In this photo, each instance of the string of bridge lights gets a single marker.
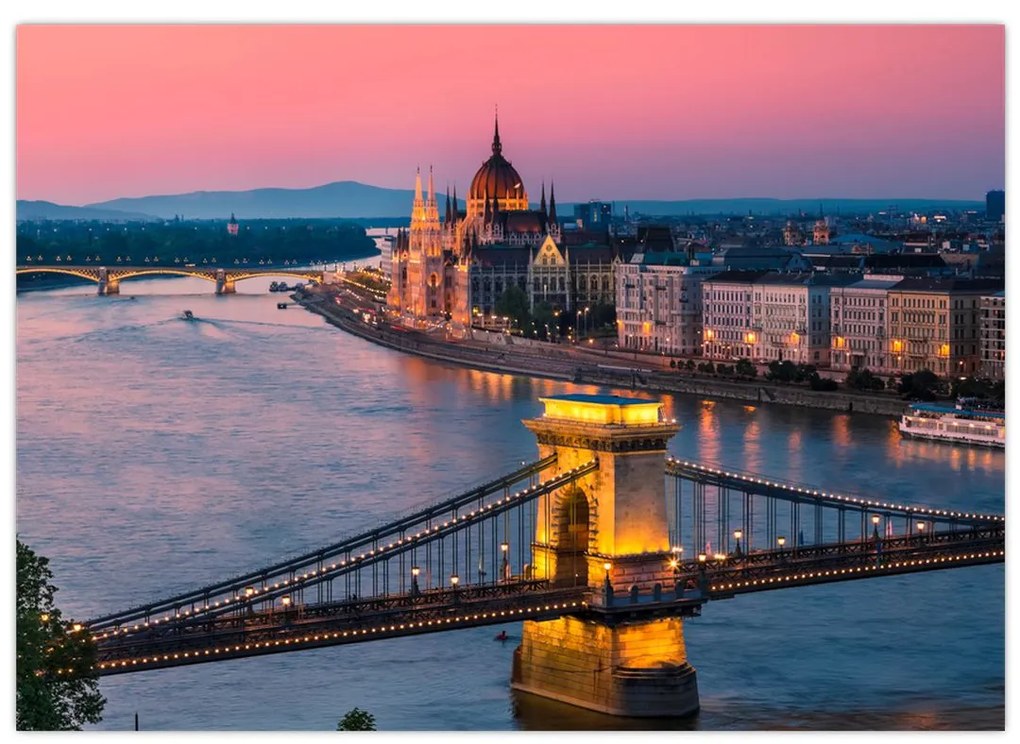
(858, 569)
(251, 592)
(336, 635)
(846, 499)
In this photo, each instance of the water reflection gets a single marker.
(202, 450)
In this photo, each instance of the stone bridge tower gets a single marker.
(607, 531)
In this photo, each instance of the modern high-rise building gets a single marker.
(995, 205)
(593, 216)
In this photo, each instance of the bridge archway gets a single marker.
(571, 536)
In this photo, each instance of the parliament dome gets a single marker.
(497, 178)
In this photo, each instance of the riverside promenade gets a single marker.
(583, 365)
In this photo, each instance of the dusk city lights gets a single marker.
(510, 377)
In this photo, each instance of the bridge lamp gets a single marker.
(782, 541)
(415, 571)
(285, 600)
(454, 580)
(249, 591)
(702, 558)
(875, 519)
(504, 546)
(737, 534)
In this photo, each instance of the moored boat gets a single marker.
(958, 424)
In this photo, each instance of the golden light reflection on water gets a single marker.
(709, 448)
(841, 430)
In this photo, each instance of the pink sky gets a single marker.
(612, 112)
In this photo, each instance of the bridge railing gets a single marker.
(440, 553)
(315, 559)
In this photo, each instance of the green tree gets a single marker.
(922, 385)
(514, 304)
(356, 720)
(57, 683)
(863, 379)
(745, 368)
(544, 316)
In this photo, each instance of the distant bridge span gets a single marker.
(109, 279)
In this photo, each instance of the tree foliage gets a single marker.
(57, 683)
(863, 379)
(514, 304)
(356, 720)
(745, 368)
(921, 385)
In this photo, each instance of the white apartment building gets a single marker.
(658, 303)
(993, 336)
(790, 318)
(727, 315)
(859, 317)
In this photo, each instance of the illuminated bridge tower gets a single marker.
(609, 532)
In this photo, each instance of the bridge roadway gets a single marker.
(200, 639)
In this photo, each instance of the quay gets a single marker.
(573, 364)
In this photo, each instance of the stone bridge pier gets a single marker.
(224, 285)
(608, 531)
(108, 285)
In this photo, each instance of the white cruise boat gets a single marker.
(957, 424)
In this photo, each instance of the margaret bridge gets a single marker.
(109, 278)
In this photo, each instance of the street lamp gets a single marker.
(505, 565)
(414, 579)
(782, 541)
(737, 534)
(920, 531)
(875, 519)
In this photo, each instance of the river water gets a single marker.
(156, 455)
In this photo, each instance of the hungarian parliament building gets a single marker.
(456, 268)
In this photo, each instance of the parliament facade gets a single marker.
(456, 268)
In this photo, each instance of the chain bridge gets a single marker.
(109, 278)
(603, 546)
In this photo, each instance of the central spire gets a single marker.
(497, 146)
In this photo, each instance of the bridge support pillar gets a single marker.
(607, 530)
(636, 669)
(225, 286)
(109, 287)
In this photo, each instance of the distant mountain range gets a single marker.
(44, 210)
(351, 199)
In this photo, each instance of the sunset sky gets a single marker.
(611, 112)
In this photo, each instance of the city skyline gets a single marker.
(778, 115)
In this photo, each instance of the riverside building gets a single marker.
(658, 298)
(993, 336)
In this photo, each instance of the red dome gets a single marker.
(497, 177)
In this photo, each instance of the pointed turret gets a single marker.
(552, 202)
(456, 213)
(417, 184)
(497, 146)
(432, 190)
(449, 218)
(543, 197)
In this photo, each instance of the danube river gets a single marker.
(155, 455)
